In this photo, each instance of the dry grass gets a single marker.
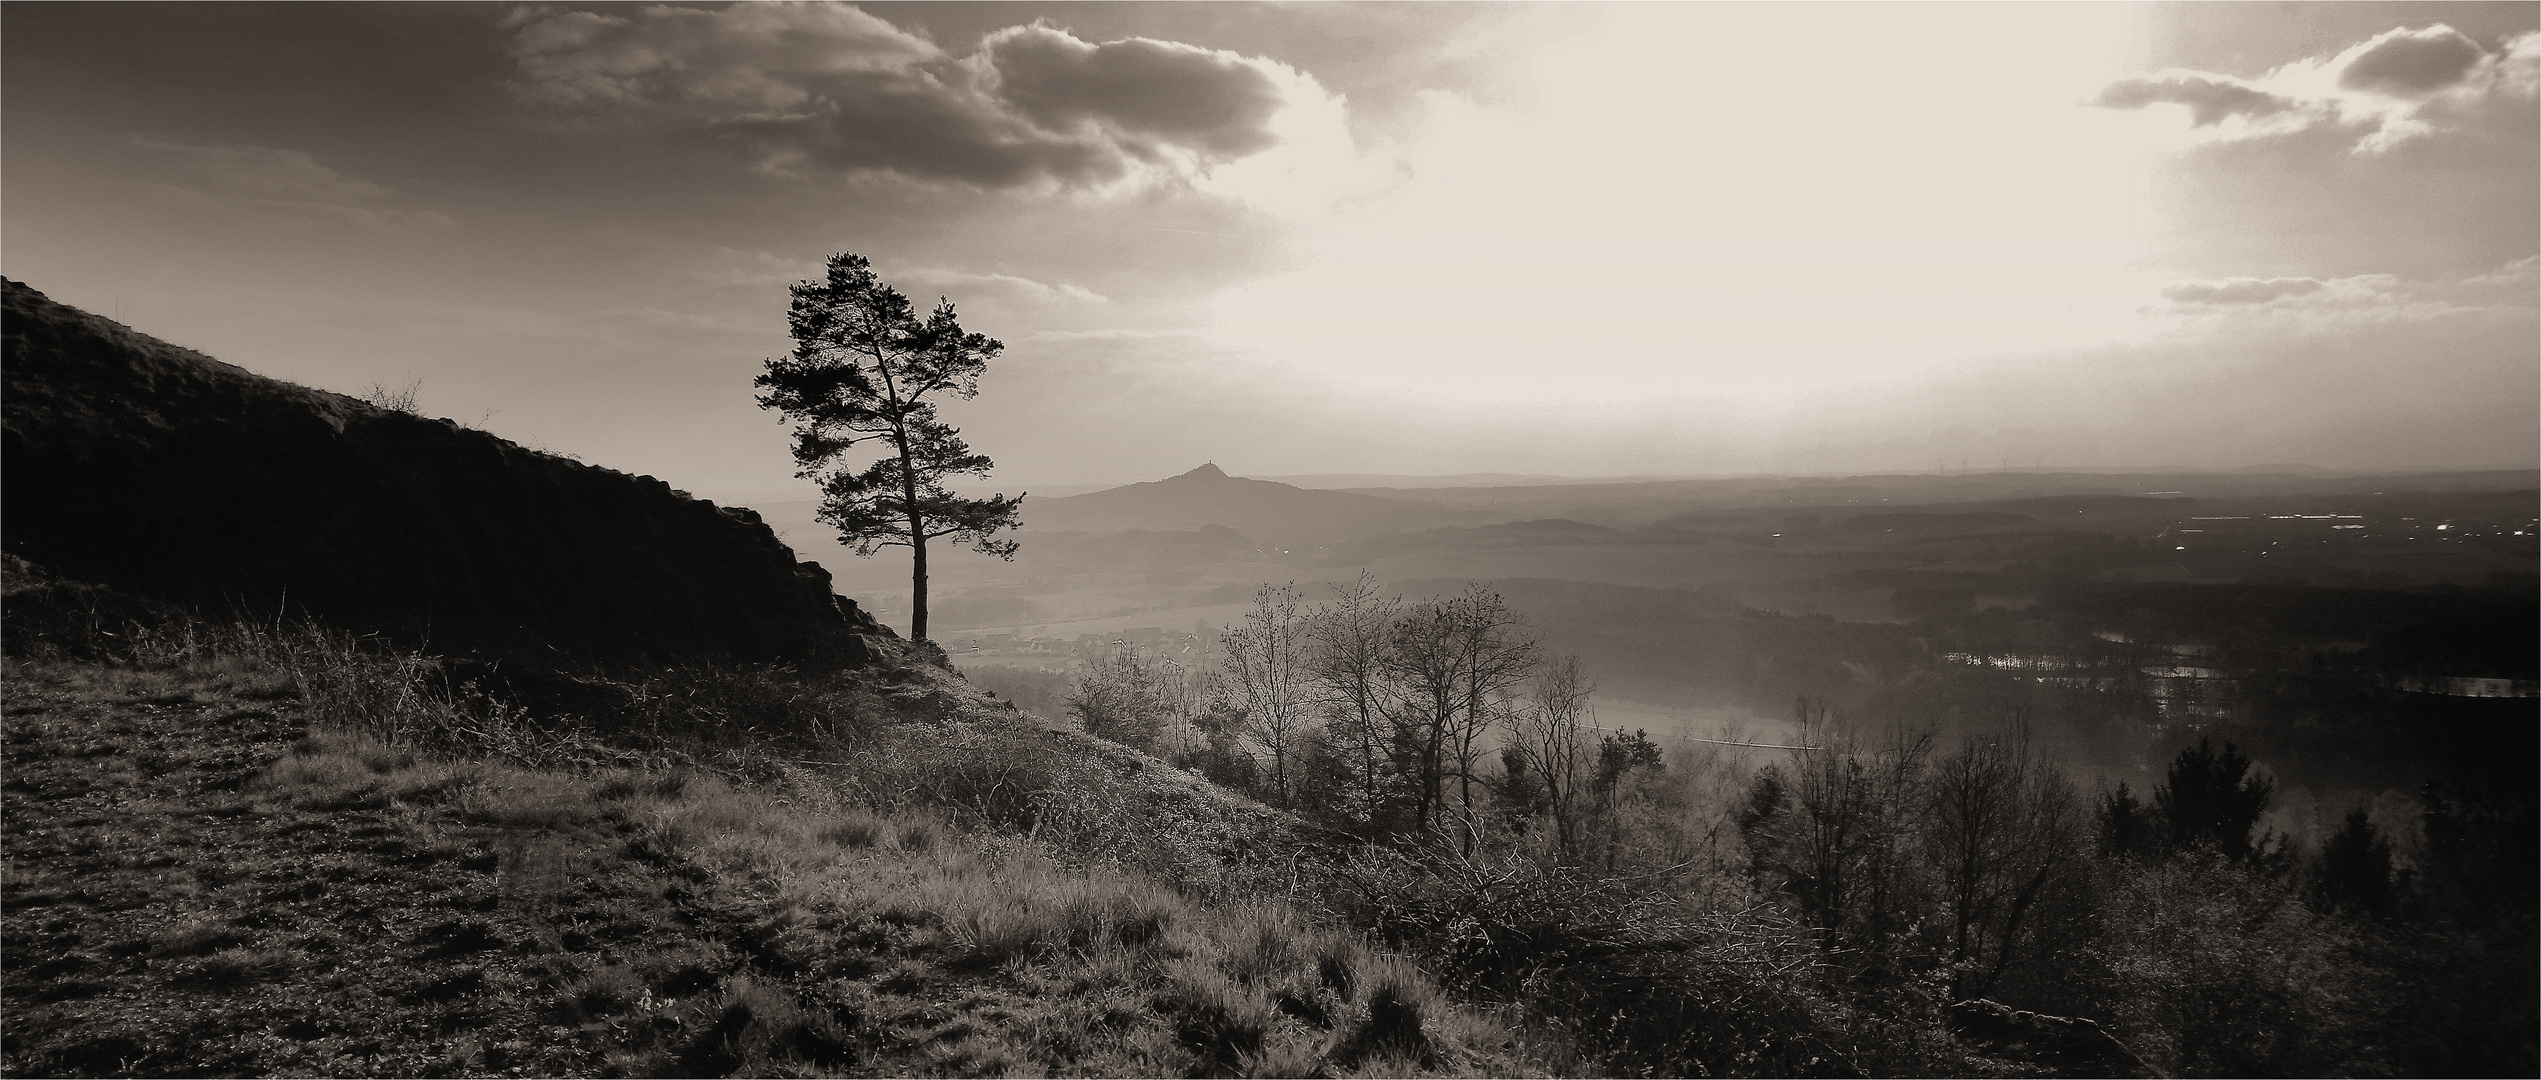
(951, 903)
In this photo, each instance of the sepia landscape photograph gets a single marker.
(1270, 539)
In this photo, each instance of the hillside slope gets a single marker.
(225, 857)
(155, 469)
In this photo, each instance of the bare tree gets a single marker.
(1548, 740)
(1892, 875)
(1842, 842)
(1184, 689)
(1421, 703)
(2005, 830)
(1494, 657)
(1455, 664)
(1267, 676)
(1348, 662)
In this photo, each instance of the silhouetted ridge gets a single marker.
(160, 471)
(1265, 510)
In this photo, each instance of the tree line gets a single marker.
(1980, 868)
(1379, 716)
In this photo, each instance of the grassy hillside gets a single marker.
(269, 851)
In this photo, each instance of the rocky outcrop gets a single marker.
(162, 472)
(2058, 1045)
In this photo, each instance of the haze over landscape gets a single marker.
(1835, 539)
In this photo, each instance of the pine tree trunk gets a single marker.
(917, 534)
(917, 585)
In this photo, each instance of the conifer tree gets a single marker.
(867, 370)
(2213, 799)
(2355, 869)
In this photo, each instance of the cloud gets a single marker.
(2240, 290)
(2211, 99)
(2411, 63)
(2393, 88)
(1148, 95)
(2317, 302)
(831, 90)
(1118, 335)
(2519, 68)
(752, 57)
(283, 174)
(2307, 307)
(2520, 276)
(288, 183)
(960, 283)
(769, 274)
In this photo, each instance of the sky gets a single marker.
(1641, 239)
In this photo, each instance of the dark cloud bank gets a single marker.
(833, 90)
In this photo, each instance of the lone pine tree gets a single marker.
(2214, 799)
(866, 369)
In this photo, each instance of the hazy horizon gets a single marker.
(803, 491)
(1549, 241)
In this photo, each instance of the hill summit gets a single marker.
(1263, 509)
(132, 463)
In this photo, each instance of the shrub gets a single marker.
(402, 399)
(1124, 697)
(1641, 982)
(1691, 1014)
(2213, 969)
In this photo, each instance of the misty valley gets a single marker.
(2326, 682)
(2349, 631)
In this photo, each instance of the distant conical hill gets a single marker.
(1262, 509)
(159, 471)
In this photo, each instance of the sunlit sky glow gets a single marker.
(1638, 239)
